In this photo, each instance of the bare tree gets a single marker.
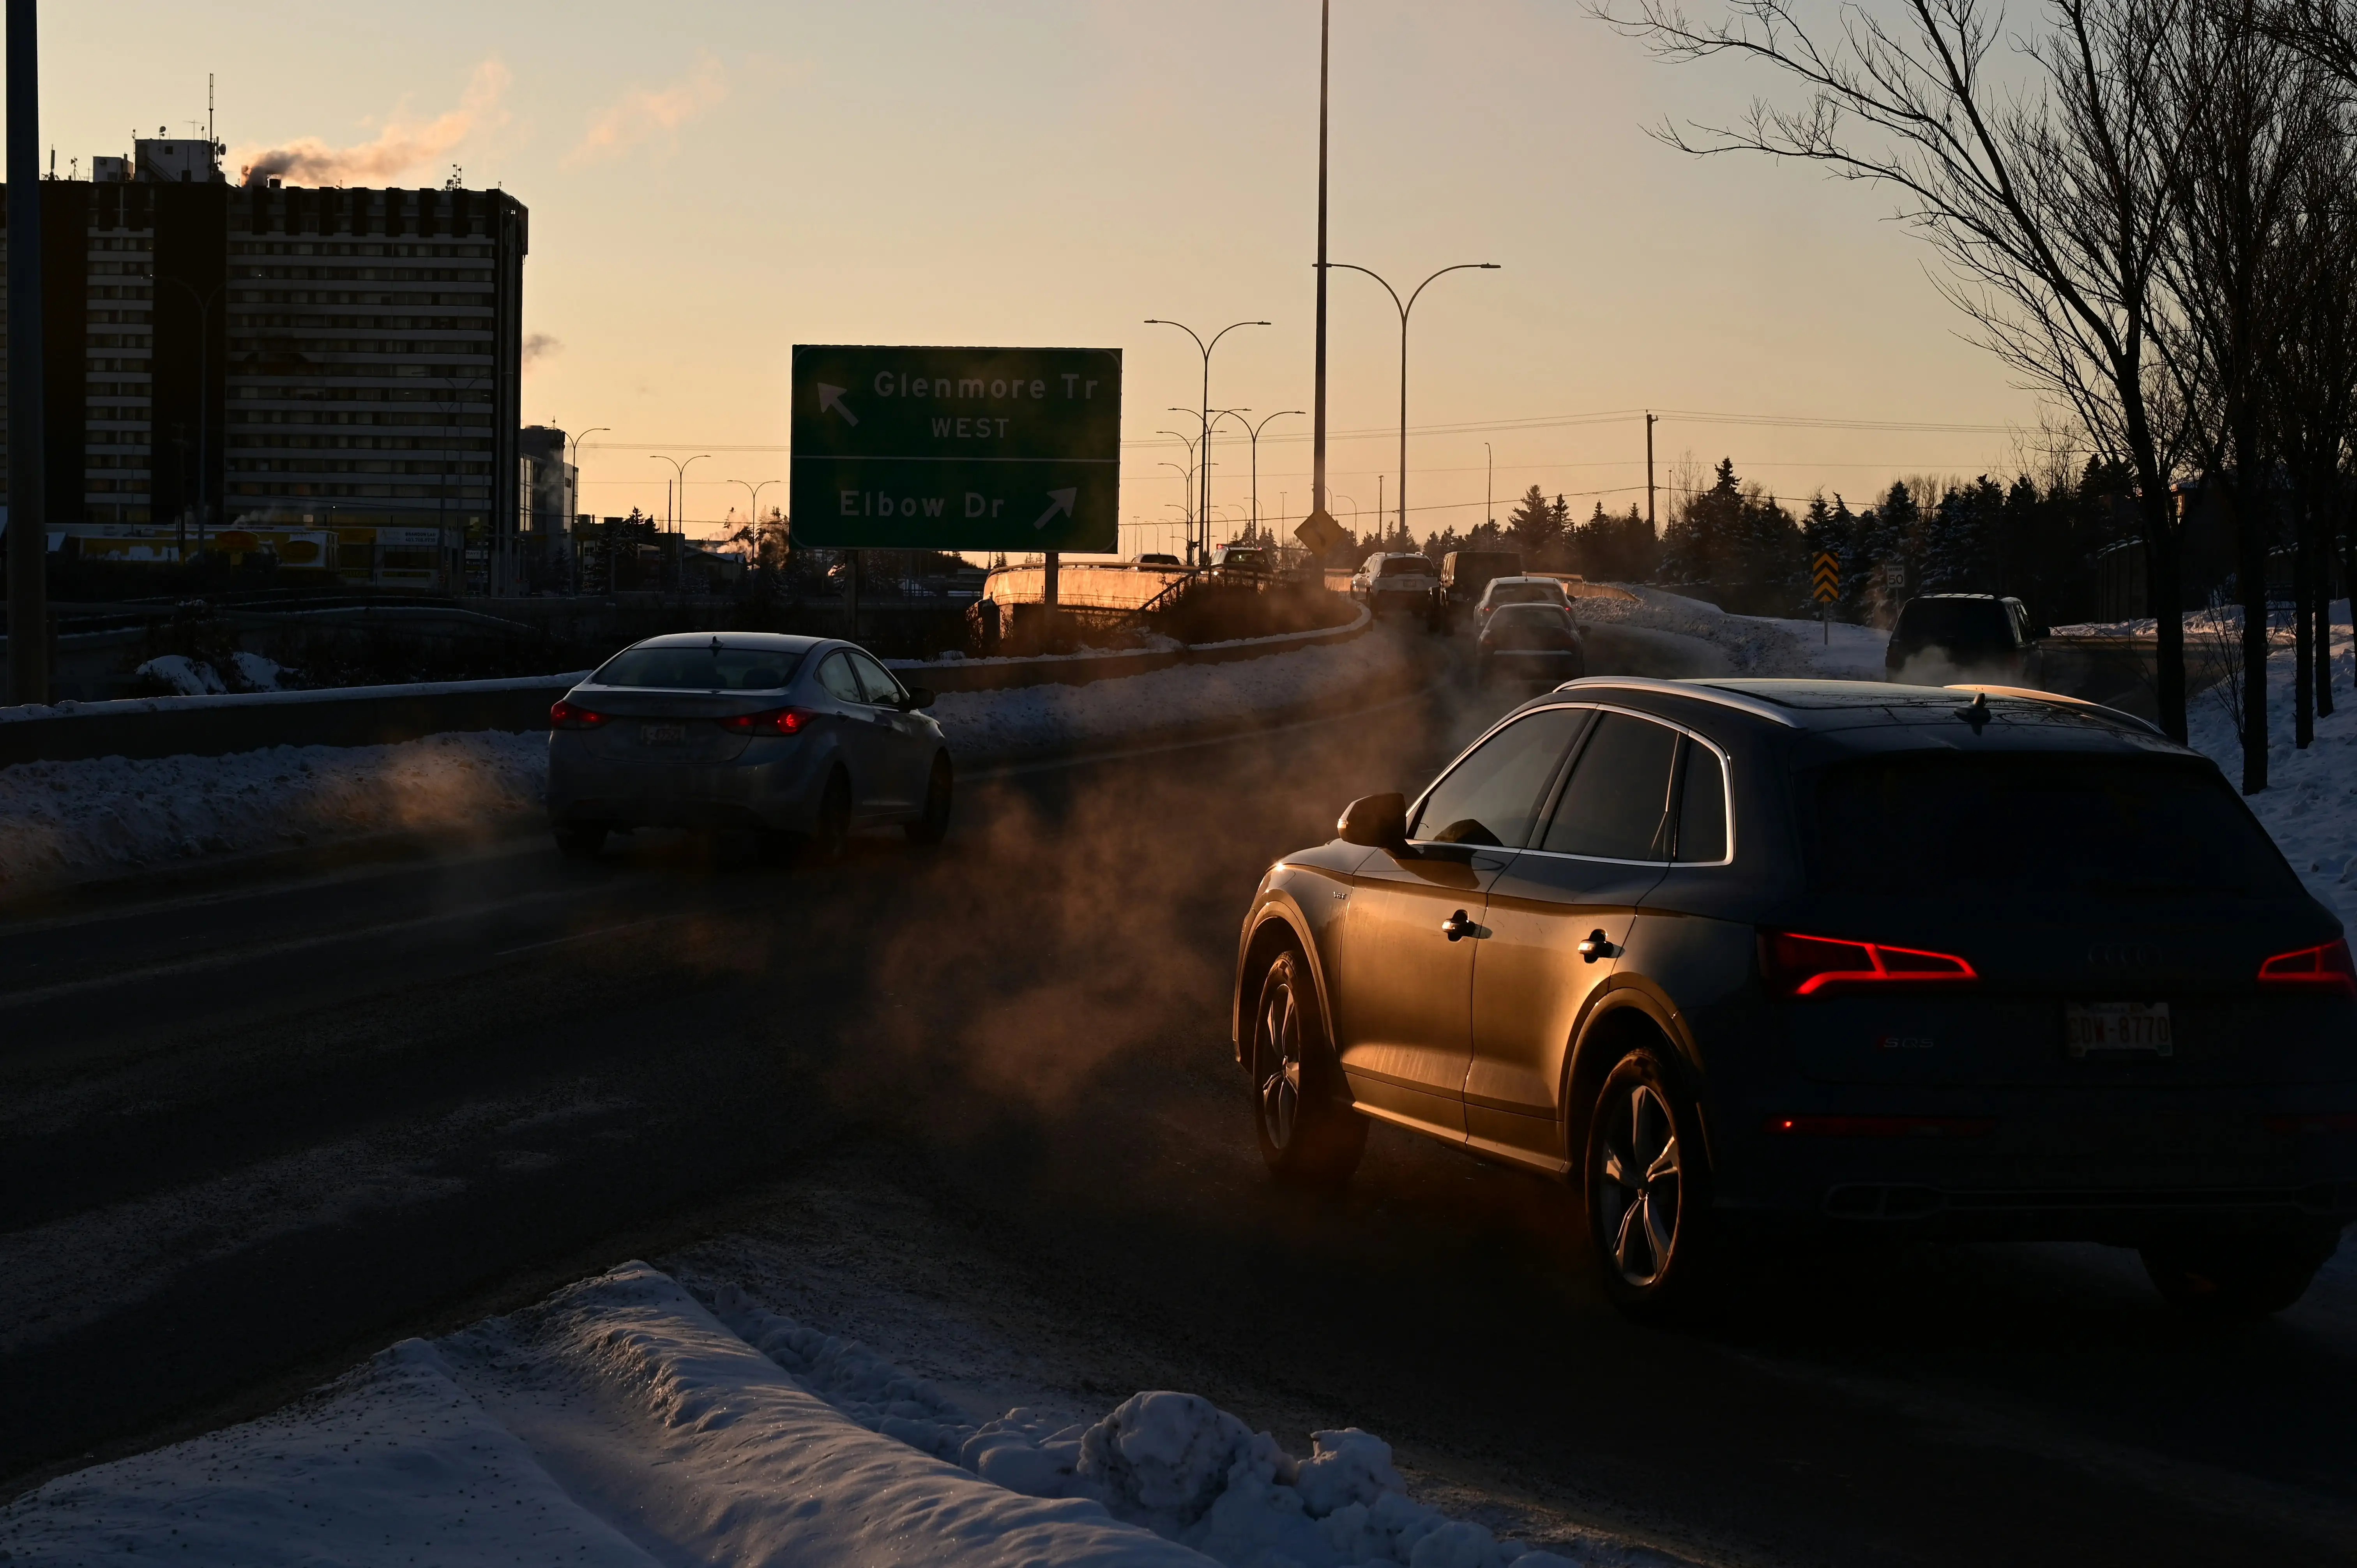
(2254, 120)
(2314, 377)
(2051, 201)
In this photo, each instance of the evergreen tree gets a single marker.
(1531, 528)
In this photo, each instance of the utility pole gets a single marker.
(1649, 421)
(28, 599)
(1489, 486)
(1318, 433)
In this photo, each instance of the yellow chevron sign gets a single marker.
(1826, 572)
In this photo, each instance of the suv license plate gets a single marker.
(662, 735)
(2116, 1027)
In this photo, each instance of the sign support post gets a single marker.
(1825, 574)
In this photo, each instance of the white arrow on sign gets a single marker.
(1057, 500)
(831, 397)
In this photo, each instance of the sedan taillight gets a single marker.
(2326, 969)
(1808, 966)
(568, 714)
(770, 721)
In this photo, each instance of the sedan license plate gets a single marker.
(2116, 1027)
(662, 735)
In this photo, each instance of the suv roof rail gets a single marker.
(1701, 693)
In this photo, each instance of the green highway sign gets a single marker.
(1014, 449)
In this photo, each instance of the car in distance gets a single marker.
(1529, 644)
(1250, 559)
(1518, 591)
(1158, 558)
(1464, 573)
(782, 735)
(1776, 958)
(1402, 582)
(1963, 637)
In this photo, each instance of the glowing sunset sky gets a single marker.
(712, 182)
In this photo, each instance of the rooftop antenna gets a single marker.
(209, 106)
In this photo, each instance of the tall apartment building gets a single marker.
(332, 375)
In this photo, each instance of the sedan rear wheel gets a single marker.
(1309, 1134)
(830, 835)
(1649, 1227)
(934, 825)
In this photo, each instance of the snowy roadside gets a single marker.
(1753, 645)
(62, 823)
(625, 1421)
(2310, 803)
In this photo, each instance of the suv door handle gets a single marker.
(1458, 927)
(1598, 945)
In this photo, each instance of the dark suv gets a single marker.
(1464, 573)
(1767, 957)
(1977, 636)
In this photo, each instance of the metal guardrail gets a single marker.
(379, 715)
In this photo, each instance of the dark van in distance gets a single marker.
(1945, 637)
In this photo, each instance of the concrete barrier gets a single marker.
(379, 715)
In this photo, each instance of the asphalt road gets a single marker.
(248, 1137)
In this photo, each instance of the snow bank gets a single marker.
(1173, 1463)
(64, 822)
(2310, 803)
(621, 1423)
(1754, 645)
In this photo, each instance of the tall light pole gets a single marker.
(1204, 413)
(682, 466)
(1404, 309)
(1253, 430)
(753, 494)
(28, 540)
(1489, 486)
(1318, 399)
(1203, 469)
(574, 446)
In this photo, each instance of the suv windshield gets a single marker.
(2029, 826)
(701, 669)
(1956, 623)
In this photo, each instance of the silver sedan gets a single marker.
(790, 736)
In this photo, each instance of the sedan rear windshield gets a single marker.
(1406, 567)
(1525, 594)
(701, 669)
(1547, 627)
(2029, 826)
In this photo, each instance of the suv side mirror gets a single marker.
(918, 697)
(1378, 821)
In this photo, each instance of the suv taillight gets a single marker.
(770, 721)
(1796, 965)
(2327, 969)
(573, 715)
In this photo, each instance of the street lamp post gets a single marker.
(1404, 309)
(1204, 413)
(753, 496)
(682, 467)
(571, 512)
(1253, 430)
(1203, 468)
(1489, 486)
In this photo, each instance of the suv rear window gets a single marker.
(1941, 825)
(1954, 623)
(701, 669)
(1407, 566)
